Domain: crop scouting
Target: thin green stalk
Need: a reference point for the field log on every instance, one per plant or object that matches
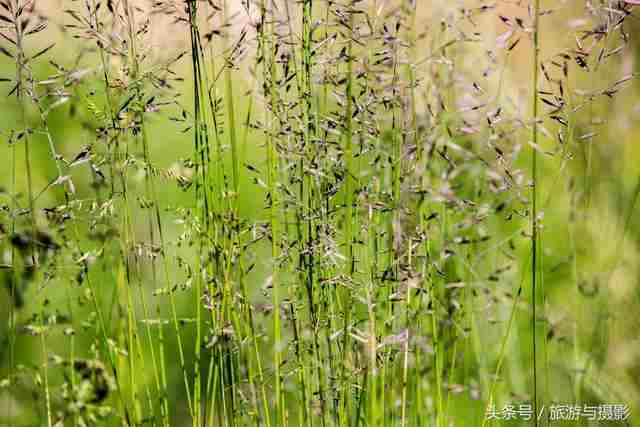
(534, 201)
(269, 72)
(416, 140)
(21, 65)
(345, 295)
(45, 368)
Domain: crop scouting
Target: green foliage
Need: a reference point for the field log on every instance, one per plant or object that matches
(316, 213)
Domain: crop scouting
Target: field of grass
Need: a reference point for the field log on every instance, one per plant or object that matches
(319, 213)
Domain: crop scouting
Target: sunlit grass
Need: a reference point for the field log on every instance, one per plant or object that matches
(316, 213)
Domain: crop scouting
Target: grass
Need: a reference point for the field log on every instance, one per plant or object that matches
(316, 213)
(535, 240)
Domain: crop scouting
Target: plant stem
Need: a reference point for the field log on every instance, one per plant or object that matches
(534, 202)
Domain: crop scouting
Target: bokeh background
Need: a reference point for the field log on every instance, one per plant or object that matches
(591, 232)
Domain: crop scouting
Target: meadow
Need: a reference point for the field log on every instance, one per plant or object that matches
(319, 213)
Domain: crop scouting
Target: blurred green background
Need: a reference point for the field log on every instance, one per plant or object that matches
(591, 235)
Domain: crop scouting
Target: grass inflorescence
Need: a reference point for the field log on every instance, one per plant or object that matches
(315, 213)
